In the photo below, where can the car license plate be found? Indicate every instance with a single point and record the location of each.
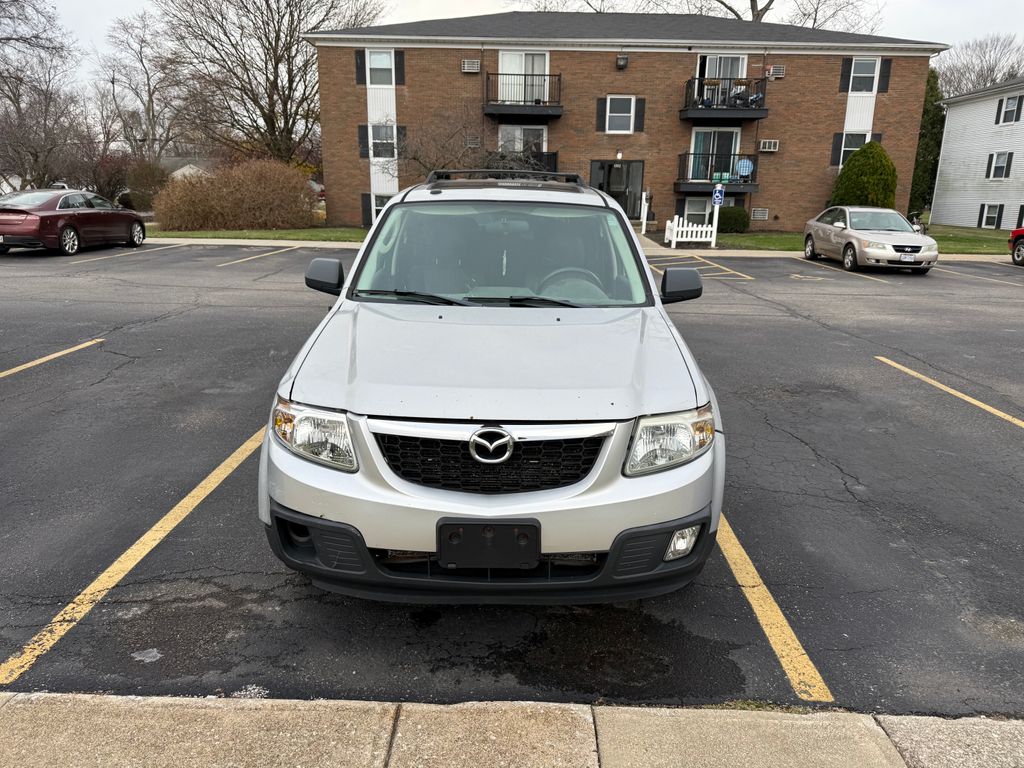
(475, 544)
(1, 239)
(908, 257)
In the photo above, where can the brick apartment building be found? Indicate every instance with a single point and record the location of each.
(668, 103)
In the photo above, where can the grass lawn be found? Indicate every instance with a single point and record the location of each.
(332, 234)
(950, 240)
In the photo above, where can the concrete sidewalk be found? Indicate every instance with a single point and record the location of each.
(87, 730)
(157, 240)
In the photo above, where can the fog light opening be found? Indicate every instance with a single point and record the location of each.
(681, 543)
(299, 534)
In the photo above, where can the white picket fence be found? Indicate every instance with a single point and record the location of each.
(678, 230)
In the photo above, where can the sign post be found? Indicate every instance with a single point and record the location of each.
(717, 199)
(644, 207)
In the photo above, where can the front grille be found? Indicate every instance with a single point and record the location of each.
(907, 248)
(572, 566)
(535, 465)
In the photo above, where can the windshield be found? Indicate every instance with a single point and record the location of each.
(24, 199)
(511, 254)
(879, 221)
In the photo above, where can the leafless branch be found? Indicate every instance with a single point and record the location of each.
(980, 62)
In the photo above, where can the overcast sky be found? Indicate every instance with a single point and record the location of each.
(946, 21)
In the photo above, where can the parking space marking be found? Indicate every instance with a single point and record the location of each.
(977, 277)
(696, 262)
(803, 676)
(78, 608)
(48, 358)
(133, 252)
(955, 393)
(837, 269)
(258, 256)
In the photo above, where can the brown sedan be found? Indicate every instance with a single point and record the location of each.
(65, 219)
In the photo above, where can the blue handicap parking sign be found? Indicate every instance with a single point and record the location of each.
(718, 197)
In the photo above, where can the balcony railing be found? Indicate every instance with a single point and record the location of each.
(738, 93)
(713, 168)
(524, 90)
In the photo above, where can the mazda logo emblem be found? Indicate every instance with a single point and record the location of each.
(491, 445)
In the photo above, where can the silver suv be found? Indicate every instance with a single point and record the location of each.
(497, 408)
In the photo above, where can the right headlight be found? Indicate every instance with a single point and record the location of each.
(662, 442)
(876, 246)
(320, 436)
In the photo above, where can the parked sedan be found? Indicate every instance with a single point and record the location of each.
(861, 236)
(65, 219)
(1016, 244)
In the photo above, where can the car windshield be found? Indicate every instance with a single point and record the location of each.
(24, 199)
(502, 254)
(879, 221)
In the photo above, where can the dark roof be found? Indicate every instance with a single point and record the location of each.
(1006, 84)
(618, 27)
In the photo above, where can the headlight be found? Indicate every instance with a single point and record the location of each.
(932, 248)
(879, 246)
(662, 442)
(320, 436)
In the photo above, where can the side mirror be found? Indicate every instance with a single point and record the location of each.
(917, 227)
(325, 275)
(838, 225)
(680, 284)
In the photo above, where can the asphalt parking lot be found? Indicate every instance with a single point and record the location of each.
(882, 510)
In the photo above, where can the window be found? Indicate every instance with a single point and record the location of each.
(828, 216)
(100, 202)
(698, 210)
(862, 79)
(383, 140)
(522, 138)
(72, 202)
(1001, 165)
(879, 221)
(522, 77)
(1010, 109)
(851, 143)
(379, 201)
(619, 118)
(991, 217)
(381, 69)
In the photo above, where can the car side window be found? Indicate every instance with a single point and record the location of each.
(73, 202)
(840, 217)
(827, 217)
(100, 202)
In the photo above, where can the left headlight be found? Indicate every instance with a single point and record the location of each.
(876, 246)
(321, 436)
(662, 442)
(930, 248)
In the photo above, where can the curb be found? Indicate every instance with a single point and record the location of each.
(340, 244)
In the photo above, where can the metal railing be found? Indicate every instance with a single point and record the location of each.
(715, 168)
(538, 90)
(724, 93)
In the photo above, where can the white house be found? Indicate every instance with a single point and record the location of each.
(980, 181)
(9, 183)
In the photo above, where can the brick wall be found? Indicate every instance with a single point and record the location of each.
(805, 110)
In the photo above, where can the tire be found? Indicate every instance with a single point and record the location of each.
(136, 235)
(1018, 252)
(69, 242)
(809, 253)
(850, 258)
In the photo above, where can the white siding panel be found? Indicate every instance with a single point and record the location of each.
(860, 112)
(383, 178)
(380, 104)
(961, 187)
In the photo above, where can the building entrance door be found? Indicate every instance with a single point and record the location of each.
(623, 180)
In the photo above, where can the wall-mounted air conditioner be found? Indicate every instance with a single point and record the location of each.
(769, 145)
(471, 65)
(759, 214)
(775, 72)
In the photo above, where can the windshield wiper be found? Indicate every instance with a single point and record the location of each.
(424, 298)
(525, 301)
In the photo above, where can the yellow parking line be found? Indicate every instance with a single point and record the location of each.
(721, 266)
(78, 608)
(955, 393)
(257, 256)
(977, 277)
(133, 252)
(837, 269)
(803, 676)
(48, 358)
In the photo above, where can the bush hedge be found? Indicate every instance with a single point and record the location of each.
(144, 181)
(257, 194)
(732, 218)
(867, 178)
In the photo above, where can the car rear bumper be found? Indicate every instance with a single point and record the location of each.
(22, 241)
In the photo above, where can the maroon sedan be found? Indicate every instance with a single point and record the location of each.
(65, 219)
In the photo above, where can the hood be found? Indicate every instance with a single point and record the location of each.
(495, 363)
(895, 238)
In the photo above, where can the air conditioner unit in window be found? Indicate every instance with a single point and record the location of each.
(769, 145)
(471, 65)
(759, 214)
(775, 71)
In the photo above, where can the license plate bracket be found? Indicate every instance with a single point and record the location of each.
(908, 257)
(512, 544)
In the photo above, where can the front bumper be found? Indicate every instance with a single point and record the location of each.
(886, 258)
(335, 555)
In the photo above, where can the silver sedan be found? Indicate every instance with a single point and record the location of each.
(861, 236)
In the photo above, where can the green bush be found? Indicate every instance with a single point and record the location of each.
(144, 181)
(867, 178)
(732, 218)
(257, 194)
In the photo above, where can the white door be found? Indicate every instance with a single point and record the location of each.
(522, 77)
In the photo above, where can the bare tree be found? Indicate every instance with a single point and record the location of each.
(27, 25)
(980, 62)
(144, 86)
(860, 16)
(252, 84)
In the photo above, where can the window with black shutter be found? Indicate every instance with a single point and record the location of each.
(360, 67)
(844, 75)
(363, 134)
(883, 76)
(602, 110)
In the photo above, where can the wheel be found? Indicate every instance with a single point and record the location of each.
(69, 241)
(136, 234)
(1018, 252)
(850, 259)
(809, 252)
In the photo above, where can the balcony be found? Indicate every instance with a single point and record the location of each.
(709, 100)
(700, 172)
(532, 97)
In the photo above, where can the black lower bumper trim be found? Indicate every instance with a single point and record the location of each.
(337, 559)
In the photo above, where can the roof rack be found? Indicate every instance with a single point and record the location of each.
(446, 174)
